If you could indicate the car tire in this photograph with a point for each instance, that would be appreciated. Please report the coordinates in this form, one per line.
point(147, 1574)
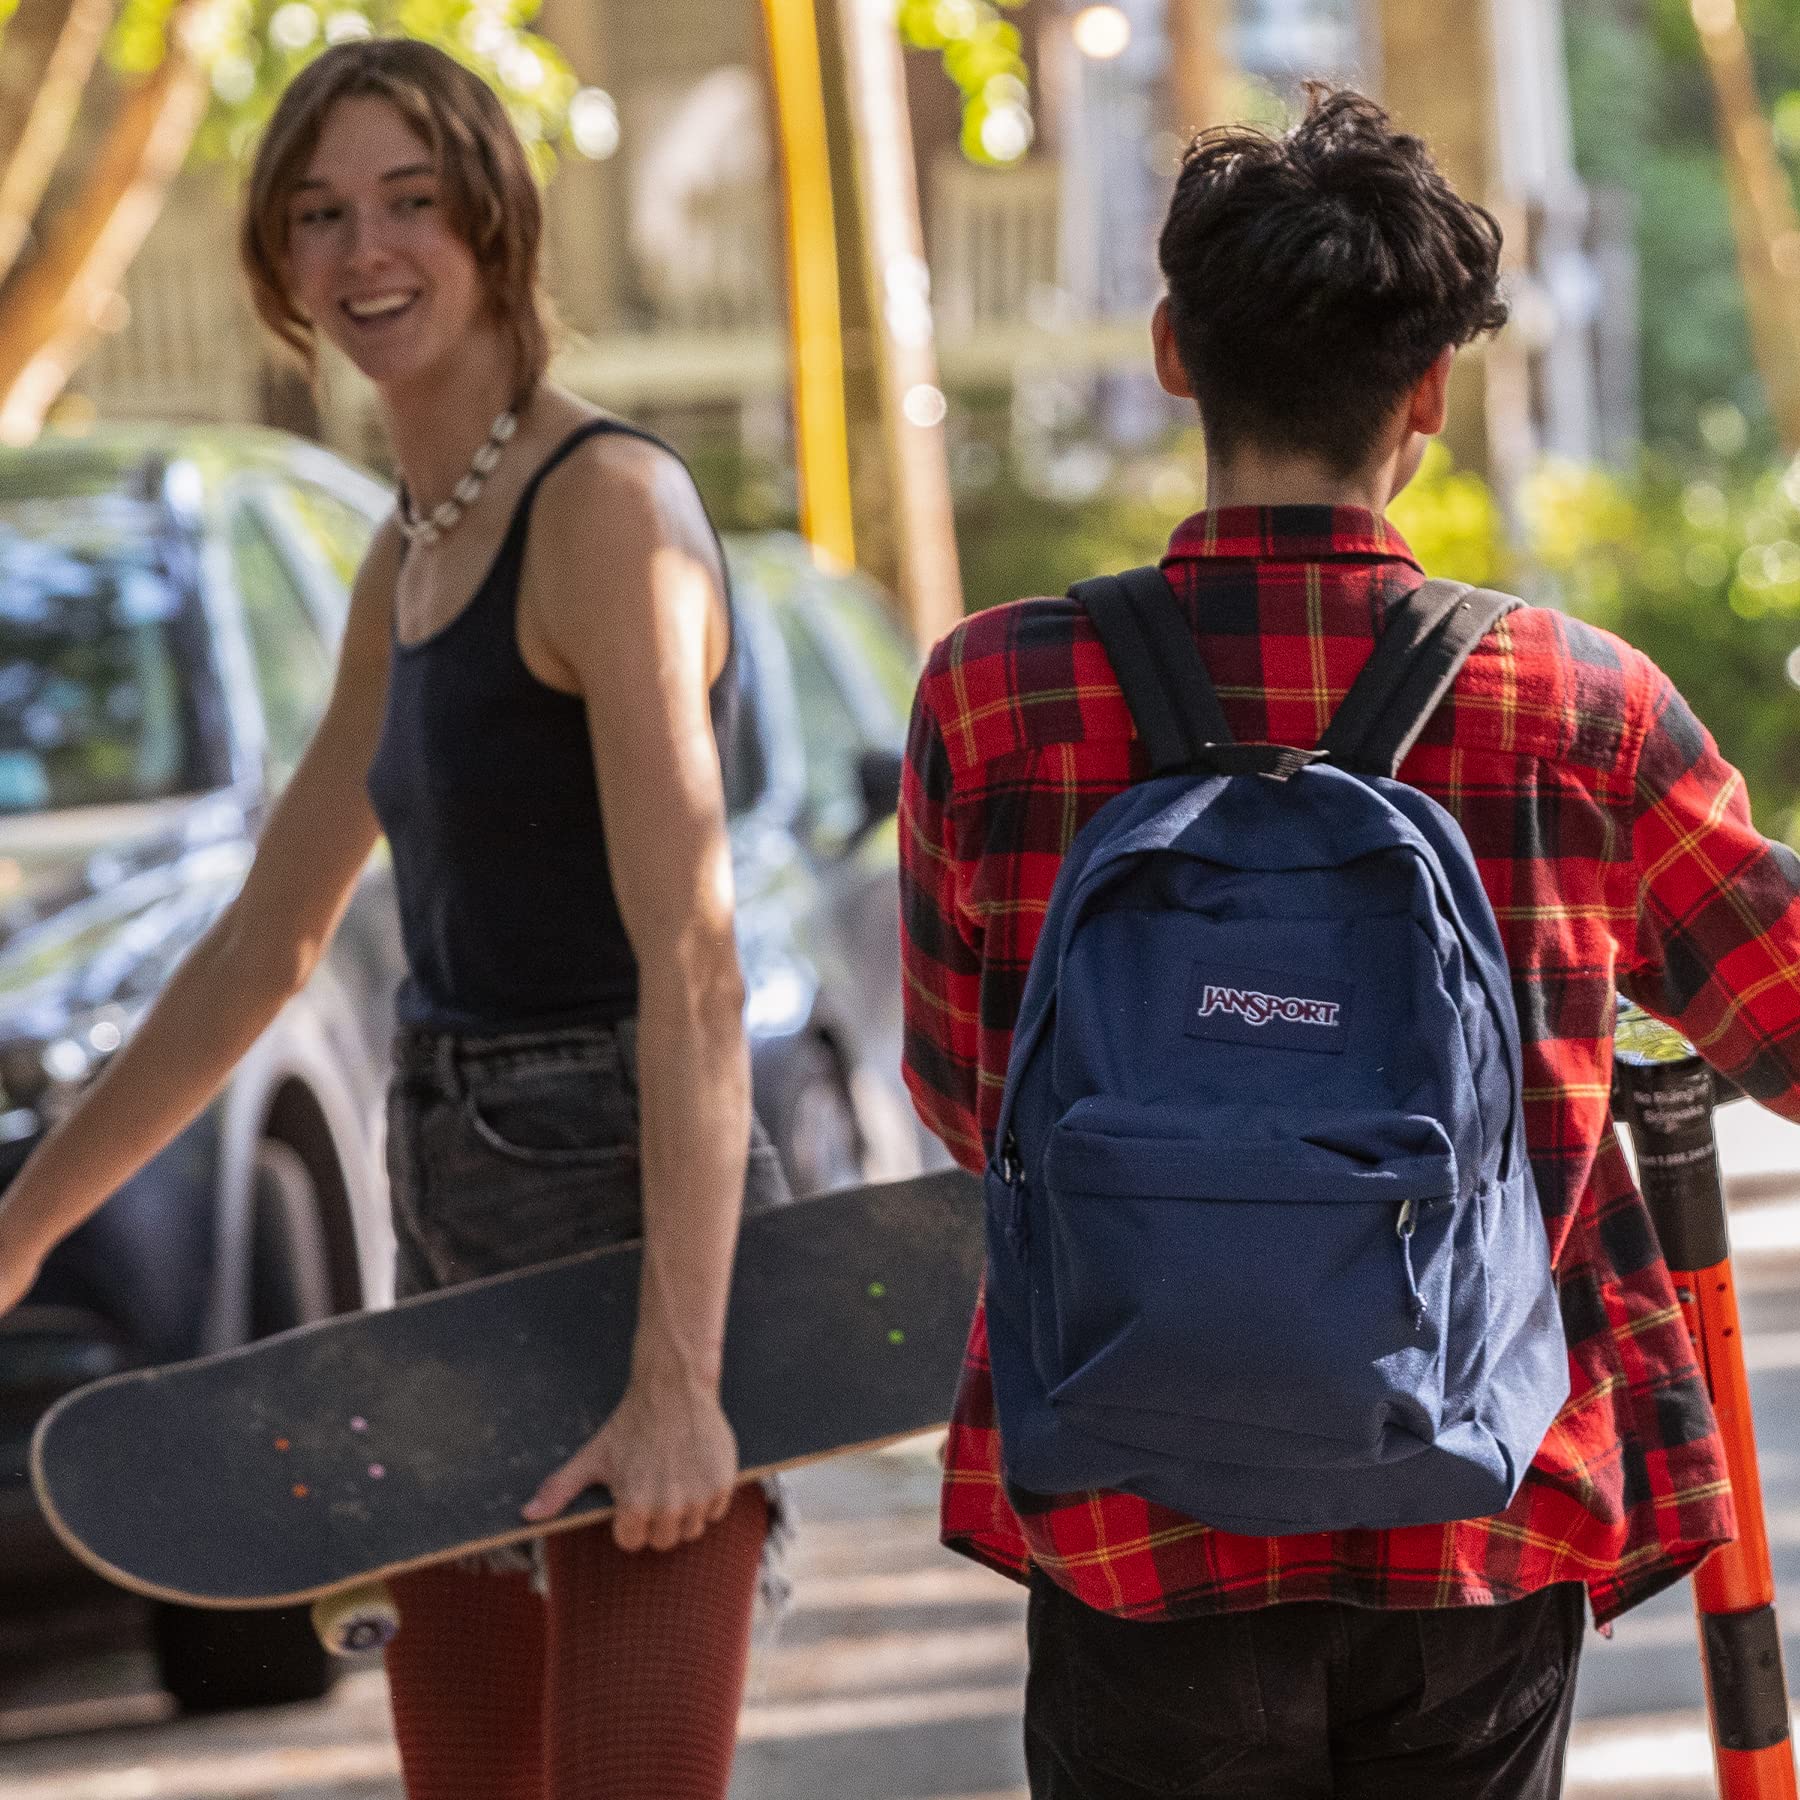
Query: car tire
point(818, 1133)
point(214, 1661)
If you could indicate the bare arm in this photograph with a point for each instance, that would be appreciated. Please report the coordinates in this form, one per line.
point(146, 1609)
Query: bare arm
point(237, 978)
point(640, 644)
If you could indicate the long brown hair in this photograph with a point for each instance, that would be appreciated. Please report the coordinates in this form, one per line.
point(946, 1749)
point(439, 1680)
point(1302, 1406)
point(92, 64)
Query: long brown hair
point(490, 196)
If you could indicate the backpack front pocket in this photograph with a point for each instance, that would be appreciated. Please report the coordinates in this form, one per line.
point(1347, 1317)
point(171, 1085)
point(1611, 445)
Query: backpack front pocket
point(1269, 1288)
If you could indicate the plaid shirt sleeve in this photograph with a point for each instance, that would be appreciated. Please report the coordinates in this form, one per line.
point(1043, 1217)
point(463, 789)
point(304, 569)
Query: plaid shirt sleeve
point(1717, 952)
point(940, 943)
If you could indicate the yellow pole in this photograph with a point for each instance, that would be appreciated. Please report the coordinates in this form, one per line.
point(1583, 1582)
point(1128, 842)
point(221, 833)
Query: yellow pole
point(815, 328)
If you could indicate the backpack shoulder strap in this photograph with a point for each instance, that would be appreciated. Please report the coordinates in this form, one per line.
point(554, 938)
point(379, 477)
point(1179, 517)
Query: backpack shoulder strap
point(1158, 665)
point(1417, 658)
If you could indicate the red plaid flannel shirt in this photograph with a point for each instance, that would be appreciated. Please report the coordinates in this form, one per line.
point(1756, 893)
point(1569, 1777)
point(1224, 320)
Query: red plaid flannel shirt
point(1617, 849)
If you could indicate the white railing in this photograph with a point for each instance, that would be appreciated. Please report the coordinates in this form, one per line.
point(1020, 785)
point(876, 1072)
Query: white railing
point(993, 245)
point(721, 269)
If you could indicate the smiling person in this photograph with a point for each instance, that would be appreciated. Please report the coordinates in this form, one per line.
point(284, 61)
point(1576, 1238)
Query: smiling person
point(534, 694)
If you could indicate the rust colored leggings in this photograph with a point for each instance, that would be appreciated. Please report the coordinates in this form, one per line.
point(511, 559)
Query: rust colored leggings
point(624, 1684)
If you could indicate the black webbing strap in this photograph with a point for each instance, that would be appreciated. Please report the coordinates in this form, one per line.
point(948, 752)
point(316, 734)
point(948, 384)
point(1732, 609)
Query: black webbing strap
point(1153, 654)
point(1416, 660)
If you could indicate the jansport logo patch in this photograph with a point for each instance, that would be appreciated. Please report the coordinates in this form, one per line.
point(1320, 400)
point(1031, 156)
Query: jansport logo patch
point(1271, 1009)
point(1258, 1009)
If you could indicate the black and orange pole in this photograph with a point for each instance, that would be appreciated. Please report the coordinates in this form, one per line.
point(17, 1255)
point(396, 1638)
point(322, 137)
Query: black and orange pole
point(1667, 1093)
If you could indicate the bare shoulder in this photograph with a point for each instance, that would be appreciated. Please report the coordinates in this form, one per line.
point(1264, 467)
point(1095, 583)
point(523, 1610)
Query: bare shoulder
point(619, 504)
point(621, 493)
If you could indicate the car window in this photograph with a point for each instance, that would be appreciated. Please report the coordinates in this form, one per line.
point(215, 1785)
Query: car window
point(831, 731)
point(293, 664)
point(881, 650)
point(97, 654)
point(338, 532)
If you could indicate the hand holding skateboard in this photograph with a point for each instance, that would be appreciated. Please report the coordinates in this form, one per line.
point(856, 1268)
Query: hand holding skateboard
point(667, 1455)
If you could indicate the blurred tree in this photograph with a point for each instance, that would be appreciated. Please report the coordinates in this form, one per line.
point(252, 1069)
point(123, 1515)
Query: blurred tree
point(985, 56)
point(1645, 121)
point(180, 70)
point(1763, 215)
point(1699, 569)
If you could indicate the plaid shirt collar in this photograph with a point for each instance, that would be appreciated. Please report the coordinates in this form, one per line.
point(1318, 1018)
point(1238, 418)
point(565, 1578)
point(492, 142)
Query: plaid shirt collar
point(1288, 534)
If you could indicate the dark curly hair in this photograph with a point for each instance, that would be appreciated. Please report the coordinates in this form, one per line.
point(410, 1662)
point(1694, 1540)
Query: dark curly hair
point(1314, 278)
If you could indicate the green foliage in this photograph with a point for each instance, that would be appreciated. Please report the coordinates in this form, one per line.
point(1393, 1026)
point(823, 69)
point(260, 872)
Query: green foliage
point(1645, 121)
point(984, 56)
point(1450, 518)
point(251, 49)
point(1701, 573)
point(1773, 27)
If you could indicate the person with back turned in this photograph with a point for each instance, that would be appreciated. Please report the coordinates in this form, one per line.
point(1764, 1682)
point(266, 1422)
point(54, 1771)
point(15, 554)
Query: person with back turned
point(1197, 1624)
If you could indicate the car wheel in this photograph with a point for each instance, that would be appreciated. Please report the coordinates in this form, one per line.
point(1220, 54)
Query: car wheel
point(217, 1661)
point(819, 1138)
point(290, 1268)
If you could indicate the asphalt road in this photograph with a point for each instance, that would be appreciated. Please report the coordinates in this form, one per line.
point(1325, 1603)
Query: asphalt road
point(898, 1673)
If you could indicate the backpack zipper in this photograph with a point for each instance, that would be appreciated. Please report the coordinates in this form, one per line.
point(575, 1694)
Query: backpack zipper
point(1404, 1226)
point(1012, 1172)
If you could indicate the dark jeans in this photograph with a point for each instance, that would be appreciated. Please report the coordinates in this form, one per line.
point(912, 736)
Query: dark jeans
point(1309, 1701)
point(504, 1151)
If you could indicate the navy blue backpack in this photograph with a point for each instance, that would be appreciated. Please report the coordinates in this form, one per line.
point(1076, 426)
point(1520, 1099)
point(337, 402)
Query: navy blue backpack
point(1263, 1240)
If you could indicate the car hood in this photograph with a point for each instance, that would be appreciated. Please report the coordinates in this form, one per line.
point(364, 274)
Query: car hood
point(98, 903)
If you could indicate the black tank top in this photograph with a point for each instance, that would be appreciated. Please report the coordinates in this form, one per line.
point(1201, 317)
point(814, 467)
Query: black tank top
point(484, 783)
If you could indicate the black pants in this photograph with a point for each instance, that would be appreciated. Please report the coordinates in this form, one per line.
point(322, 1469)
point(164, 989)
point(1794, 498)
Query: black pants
point(1311, 1701)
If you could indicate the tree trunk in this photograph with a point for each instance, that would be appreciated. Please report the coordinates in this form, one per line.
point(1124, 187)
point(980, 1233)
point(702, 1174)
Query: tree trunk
point(50, 50)
point(1199, 76)
point(895, 405)
point(1439, 80)
point(1762, 212)
point(50, 313)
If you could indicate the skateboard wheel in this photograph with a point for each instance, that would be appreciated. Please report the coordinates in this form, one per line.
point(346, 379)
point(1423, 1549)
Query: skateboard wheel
point(362, 1618)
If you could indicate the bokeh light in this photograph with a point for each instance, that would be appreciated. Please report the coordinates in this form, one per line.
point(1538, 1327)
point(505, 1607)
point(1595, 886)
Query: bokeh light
point(294, 26)
point(1006, 133)
point(594, 123)
point(1102, 32)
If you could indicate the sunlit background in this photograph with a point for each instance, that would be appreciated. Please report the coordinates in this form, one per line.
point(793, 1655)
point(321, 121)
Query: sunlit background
point(1624, 451)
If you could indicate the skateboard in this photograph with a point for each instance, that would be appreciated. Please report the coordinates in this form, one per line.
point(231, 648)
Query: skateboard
point(309, 1466)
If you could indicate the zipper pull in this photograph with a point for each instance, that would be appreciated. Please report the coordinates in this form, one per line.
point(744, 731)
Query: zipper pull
point(1012, 1172)
point(1404, 1226)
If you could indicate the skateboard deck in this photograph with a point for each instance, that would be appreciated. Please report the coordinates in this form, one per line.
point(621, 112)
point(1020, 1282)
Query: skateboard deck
point(315, 1461)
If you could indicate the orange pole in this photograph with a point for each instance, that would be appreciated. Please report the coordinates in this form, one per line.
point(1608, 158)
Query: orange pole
point(1667, 1095)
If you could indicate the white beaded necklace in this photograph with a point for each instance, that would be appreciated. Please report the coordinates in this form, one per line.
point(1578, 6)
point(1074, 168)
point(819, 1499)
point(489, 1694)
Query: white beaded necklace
point(445, 516)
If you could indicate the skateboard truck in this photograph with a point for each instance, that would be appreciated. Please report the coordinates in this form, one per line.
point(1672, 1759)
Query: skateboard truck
point(357, 1619)
point(1667, 1094)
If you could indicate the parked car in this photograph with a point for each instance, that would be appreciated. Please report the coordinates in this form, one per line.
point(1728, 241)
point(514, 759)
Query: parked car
point(169, 603)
